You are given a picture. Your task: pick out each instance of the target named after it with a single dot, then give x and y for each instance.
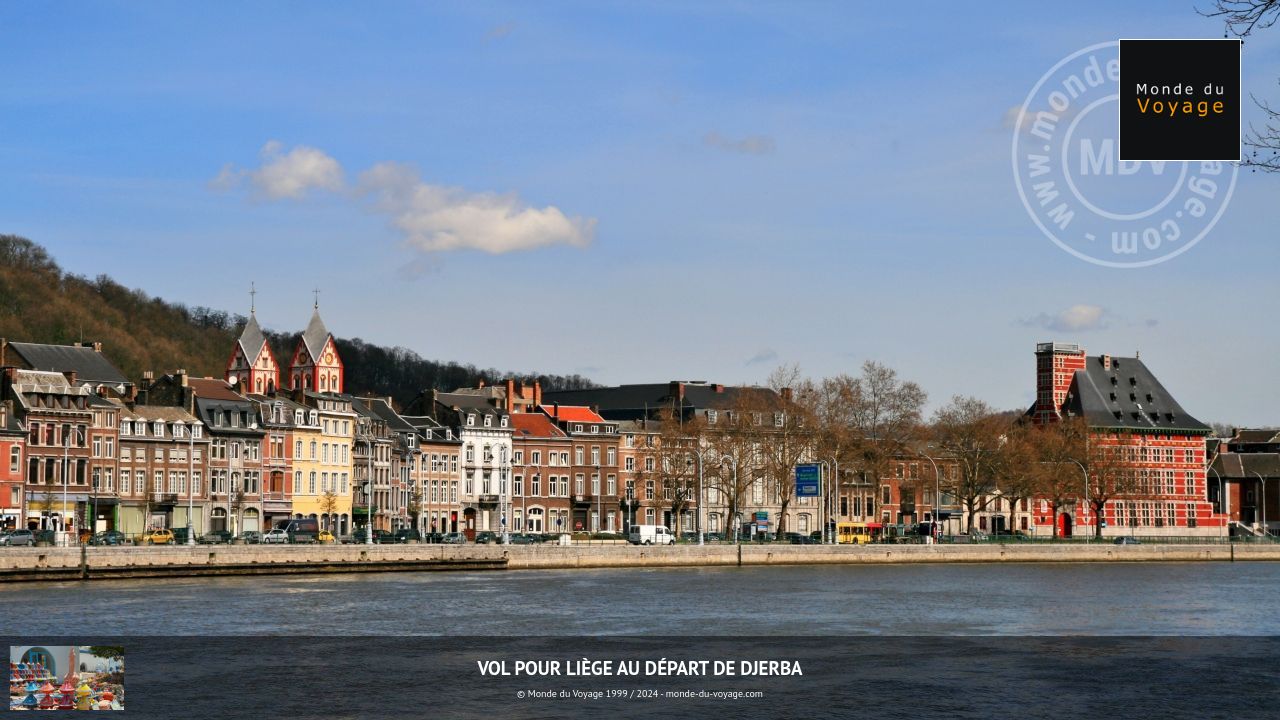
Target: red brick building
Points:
(594, 490)
(12, 441)
(540, 453)
(1160, 444)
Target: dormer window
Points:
(197, 431)
(126, 428)
(504, 422)
(488, 420)
(577, 428)
(595, 429)
(157, 428)
(711, 417)
(777, 419)
(471, 420)
(179, 430)
(142, 429)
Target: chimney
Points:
(555, 411)
(786, 394)
(1106, 362)
(511, 394)
(182, 377)
(718, 388)
(676, 390)
(537, 392)
(71, 376)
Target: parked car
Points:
(18, 537)
(407, 535)
(325, 537)
(379, 536)
(161, 536)
(277, 536)
(433, 538)
(1128, 540)
(108, 537)
(217, 537)
(525, 539)
(487, 537)
(453, 539)
(799, 539)
(300, 530)
(250, 537)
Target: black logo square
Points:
(1180, 100)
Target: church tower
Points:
(316, 365)
(252, 367)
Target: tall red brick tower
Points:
(1056, 365)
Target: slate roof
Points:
(89, 365)
(473, 403)
(252, 338)
(626, 402)
(1251, 437)
(1126, 396)
(1244, 465)
(315, 336)
(379, 408)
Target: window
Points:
(611, 456)
(311, 484)
(535, 486)
(595, 456)
(578, 456)
(488, 420)
(629, 463)
(15, 460)
(579, 484)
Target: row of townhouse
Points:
(82, 446)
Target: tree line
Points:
(867, 425)
(41, 303)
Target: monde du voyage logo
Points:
(1124, 153)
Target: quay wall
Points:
(17, 564)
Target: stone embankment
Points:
(132, 562)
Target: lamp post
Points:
(367, 486)
(66, 467)
(1263, 482)
(93, 524)
(701, 527)
(1086, 496)
(1222, 497)
(191, 479)
(937, 495)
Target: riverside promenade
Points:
(92, 563)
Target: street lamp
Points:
(66, 447)
(191, 479)
(1263, 482)
(937, 496)
(368, 516)
(1222, 497)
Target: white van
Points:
(651, 535)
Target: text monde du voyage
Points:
(587, 667)
(1179, 99)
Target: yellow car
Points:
(158, 537)
(325, 537)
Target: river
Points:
(1207, 599)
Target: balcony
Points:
(487, 499)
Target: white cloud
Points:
(285, 175)
(432, 218)
(749, 145)
(435, 218)
(1077, 318)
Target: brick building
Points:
(540, 453)
(1162, 447)
(594, 493)
(12, 442)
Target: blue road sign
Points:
(808, 480)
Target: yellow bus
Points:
(859, 533)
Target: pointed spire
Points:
(253, 292)
(316, 335)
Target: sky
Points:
(637, 192)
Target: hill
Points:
(41, 303)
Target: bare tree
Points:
(971, 434)
(786, 435)
(734, 457)
(1111, 475)
(882, 417)
(1016, 472)
(1241, 18)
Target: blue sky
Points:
(682, 190)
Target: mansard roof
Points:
(1123, 393)
(86, 361)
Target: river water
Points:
(1205, 599)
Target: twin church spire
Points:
(313, 366)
